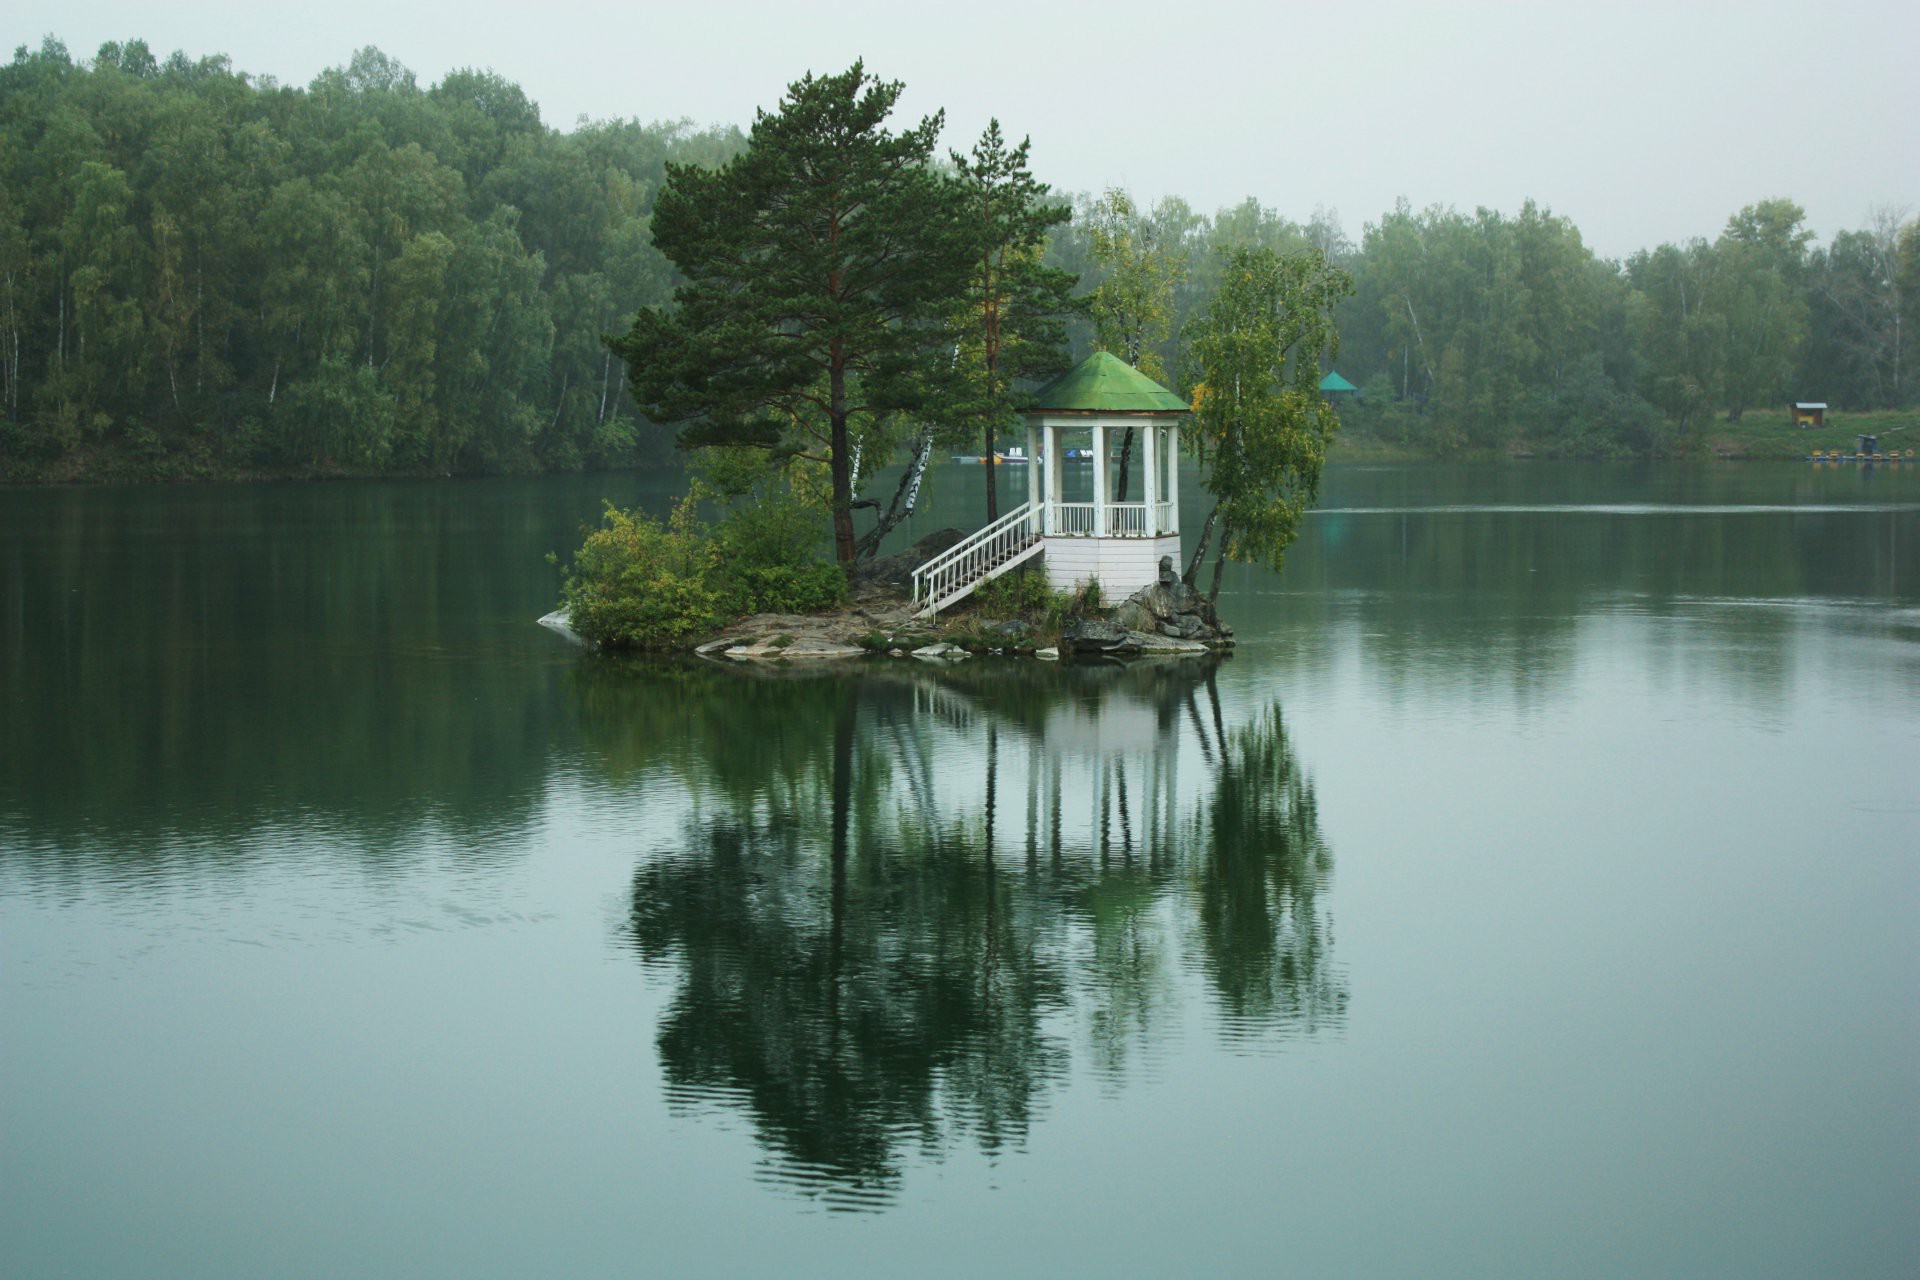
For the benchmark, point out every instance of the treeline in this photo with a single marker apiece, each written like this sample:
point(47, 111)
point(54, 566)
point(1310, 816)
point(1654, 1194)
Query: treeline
point(1494, 332)
point(208, 273)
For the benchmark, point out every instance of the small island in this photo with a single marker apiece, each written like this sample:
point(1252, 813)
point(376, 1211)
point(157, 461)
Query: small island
point(844, 303)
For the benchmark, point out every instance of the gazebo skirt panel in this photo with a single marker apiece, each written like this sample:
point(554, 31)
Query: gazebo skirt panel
point(1123, 565)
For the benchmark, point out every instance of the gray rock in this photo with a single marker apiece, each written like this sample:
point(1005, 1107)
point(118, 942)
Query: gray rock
point(1097, 635)
point(1135, 616)
point(898, 569)
point(1170, 644)
point(1171, 609)
point(821, 649)
point(1183, 627)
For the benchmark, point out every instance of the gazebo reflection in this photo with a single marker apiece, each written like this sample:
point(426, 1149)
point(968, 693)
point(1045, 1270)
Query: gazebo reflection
point(945, 894)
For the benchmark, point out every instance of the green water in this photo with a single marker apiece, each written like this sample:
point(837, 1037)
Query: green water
point(1532, 893)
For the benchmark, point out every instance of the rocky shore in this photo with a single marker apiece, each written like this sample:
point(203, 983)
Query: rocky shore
point(1168, 617)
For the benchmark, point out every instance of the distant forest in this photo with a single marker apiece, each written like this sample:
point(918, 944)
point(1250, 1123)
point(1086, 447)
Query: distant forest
point(205, 273)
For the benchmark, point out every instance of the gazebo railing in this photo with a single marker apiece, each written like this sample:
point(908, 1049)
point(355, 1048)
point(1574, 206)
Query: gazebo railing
point(1073, 519)
point(1126, 519)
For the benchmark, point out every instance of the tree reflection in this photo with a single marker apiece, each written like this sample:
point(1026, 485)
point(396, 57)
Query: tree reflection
point(1267, 946)
point(895, 906)
point(857, 993)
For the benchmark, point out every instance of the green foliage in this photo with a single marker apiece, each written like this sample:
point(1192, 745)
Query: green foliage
point(1024, 593)
point(821, 267)
point(202, 271)
point(1589, 416)
point(765, 557)
point(638, 584)
point(1133, 304)
point(1010, 324)
point(1260, 424)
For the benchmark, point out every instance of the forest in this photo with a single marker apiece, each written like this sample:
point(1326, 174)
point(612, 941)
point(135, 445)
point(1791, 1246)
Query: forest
point(207, 274)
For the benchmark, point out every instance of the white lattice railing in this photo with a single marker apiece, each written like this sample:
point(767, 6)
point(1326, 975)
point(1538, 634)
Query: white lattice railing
point(955, 571)
point(1126, 519)
point(1073, 519)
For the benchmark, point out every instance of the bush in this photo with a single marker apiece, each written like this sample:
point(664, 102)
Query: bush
point(638, 584)
point(779, 588)
point(766, 554)
point(1024, 593)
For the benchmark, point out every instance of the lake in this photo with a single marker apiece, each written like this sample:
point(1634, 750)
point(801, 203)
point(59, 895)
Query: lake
point(1533, 892)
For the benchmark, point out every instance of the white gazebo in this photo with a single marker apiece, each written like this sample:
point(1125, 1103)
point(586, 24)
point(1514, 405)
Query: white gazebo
point(1075, 513)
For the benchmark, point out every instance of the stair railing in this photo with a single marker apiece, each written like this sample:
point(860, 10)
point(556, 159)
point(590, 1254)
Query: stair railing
point(967, 561)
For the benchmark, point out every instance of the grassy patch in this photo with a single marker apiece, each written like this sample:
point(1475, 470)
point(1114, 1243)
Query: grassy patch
point(1769, 434)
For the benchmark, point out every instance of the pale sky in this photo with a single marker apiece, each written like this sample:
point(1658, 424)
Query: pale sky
point(1641, 122)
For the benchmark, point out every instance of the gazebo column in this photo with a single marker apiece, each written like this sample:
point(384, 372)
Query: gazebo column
point(1033, 474)
point(1173, 481)
point(1099, 479)
point(1151, 489)
point(1050, 451)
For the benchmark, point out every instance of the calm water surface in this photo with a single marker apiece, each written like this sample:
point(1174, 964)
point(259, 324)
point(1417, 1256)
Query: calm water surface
point(1532, 893)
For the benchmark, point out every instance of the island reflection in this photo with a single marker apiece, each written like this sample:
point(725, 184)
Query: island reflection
point(898, 904)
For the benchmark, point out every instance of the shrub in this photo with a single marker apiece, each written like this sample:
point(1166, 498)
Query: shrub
point(766, 555)
point(638, 584)
point(1024, 593)
point(803, 588)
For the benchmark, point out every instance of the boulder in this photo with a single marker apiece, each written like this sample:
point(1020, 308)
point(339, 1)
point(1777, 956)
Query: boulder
point(897, 570)
point(817, 647)
point(1097, 635)
point(1172, 609)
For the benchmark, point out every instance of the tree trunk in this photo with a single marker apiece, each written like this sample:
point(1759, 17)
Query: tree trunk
point(839, 459)
point(905, 496)
point(1200, 551)
point(1126, 465)
point(1219, 561)
point(993, 476)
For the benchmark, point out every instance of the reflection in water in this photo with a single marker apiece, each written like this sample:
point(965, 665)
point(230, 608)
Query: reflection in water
point(899, 901)
point(197, 676)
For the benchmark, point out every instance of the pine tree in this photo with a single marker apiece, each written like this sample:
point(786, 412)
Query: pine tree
point(821, 269)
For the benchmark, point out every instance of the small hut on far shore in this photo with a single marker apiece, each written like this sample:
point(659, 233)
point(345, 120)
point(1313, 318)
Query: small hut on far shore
point(1337, 389)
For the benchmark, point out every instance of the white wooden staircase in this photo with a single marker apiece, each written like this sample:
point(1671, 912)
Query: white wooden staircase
point(982, 556)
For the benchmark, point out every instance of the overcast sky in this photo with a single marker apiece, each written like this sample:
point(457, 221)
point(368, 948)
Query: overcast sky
point(1640, 122)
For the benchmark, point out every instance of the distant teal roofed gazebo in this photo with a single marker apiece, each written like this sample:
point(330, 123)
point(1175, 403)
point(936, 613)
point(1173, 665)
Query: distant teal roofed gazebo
point(1104, 383)
point(1334, 384)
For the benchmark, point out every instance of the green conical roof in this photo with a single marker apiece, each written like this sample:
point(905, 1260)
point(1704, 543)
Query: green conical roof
point(1104, 383)
point(1334, 382)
